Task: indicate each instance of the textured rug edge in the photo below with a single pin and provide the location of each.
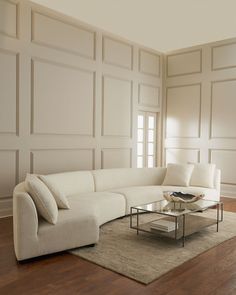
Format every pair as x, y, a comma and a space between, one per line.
153, 280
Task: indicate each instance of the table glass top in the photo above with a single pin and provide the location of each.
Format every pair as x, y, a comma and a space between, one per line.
176, 208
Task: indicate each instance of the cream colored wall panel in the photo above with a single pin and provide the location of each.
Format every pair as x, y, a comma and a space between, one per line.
226, 161
116, 158
9, 92
184, 63
149, 95
117, 53
117, 107
174, 155
63, 99
53, 161
8, 18
223, 119
149, 63
223, 56
183, 111
58, 34
8, 172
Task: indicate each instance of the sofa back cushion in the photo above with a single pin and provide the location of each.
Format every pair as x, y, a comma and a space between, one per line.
116, 178
70, 183
178, 174
203, 175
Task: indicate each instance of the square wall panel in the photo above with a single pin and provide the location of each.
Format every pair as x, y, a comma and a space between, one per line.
53, 161
116, 158
8, 92
63, 99
8, 172
117, 53
149, 95
223, 119
185, 63
149, 63
182, 155
117, 107
183, 111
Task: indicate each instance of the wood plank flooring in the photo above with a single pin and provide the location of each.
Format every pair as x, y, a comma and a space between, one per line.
211, 273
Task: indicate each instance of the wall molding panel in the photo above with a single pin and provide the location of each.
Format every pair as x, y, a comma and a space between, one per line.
184, 63
117, 53
69, 95
149, 63
72, 38
223, 56
9, 18
116, 158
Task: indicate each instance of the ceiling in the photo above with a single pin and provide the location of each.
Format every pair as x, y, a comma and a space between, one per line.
164, 25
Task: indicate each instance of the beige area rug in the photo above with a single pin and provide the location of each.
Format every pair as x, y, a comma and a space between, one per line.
145, 257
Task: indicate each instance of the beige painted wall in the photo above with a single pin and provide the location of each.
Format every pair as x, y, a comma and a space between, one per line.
200, 108
69, 95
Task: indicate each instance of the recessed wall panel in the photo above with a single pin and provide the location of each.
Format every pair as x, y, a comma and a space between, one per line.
117, 53
224, 56
149, 63
149, 95
223, 119
8, 16
8, 172
225, 160
62, 99
8, 92
184, 63
181, 156
116, 158
53, 161
61, 35
183, 111
117, 107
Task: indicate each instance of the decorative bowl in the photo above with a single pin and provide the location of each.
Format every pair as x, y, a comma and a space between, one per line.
181, 197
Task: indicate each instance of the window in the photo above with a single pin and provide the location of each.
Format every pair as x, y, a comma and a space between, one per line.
146, 140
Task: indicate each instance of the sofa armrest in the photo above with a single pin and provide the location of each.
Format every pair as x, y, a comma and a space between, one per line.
25, 225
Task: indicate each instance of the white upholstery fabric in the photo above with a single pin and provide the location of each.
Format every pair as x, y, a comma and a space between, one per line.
107, 179
59, 197
42, 197
210, 194
70, 183
203, 175
105, 205
178, 174
138, 195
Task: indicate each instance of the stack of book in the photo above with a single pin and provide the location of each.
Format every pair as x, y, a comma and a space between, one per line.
163, 225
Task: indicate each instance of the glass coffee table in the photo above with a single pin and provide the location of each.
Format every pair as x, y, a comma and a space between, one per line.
176, 220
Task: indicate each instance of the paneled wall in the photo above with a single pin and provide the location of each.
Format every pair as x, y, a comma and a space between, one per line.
69, 95
200, 108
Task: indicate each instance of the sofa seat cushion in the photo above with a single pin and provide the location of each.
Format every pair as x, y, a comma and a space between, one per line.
210, 194
75, 227
105, 205
138, 195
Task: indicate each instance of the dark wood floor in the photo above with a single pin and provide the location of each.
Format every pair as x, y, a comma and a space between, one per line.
213, 272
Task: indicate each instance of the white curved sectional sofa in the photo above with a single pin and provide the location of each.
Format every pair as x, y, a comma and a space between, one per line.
95, 197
